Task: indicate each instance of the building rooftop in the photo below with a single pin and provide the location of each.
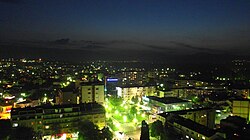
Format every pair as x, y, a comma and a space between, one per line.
167, 100
241, 100
182, 112
84, 108
135, 85
201, 129
91, 83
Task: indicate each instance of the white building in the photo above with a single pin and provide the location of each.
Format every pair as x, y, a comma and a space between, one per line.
92, 92
128, 92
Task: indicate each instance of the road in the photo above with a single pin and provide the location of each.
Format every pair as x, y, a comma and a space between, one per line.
135, 135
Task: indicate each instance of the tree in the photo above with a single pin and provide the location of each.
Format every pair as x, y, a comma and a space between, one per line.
106, 134
135, 99
88, 131
144, 131
157, 129
115, 101
5, 129
22, 133
56, 129
133, 110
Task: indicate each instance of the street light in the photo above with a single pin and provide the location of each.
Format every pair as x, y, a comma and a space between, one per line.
135, 120
116, 112
124, 118
143, 115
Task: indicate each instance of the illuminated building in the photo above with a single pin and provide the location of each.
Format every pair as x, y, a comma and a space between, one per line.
184, 83
203, 116
110, 86
165, 93
242, 108
239, 71
242, 91
132, 77
5, 110
204, 90
26, 103
45, 119
92, 92
128, 92
183, 92
166, 104
190, 129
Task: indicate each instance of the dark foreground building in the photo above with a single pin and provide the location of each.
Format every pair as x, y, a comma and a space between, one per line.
61, 118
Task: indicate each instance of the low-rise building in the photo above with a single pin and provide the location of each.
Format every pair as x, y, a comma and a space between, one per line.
234, 127
188, 129
166, 104
203, 116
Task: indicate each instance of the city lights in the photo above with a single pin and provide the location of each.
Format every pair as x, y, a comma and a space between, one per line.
115, 103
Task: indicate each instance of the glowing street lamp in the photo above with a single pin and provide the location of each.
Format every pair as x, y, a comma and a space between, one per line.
118, 125
143, 115
125, 118
135, 120
116, 112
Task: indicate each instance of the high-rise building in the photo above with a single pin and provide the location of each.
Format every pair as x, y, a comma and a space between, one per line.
132, 77
92, 92
239, 70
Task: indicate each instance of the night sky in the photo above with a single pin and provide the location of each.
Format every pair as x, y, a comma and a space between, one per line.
136, 29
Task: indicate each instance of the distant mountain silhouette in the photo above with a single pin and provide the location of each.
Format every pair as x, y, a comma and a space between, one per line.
140, 55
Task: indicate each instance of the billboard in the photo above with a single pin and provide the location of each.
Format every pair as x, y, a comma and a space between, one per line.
112, 80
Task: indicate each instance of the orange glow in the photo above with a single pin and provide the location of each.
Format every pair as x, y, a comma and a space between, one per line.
4, 116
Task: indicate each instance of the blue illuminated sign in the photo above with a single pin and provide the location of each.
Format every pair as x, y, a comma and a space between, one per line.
112, 80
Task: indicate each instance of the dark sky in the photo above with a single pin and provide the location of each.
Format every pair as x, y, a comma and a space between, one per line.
148, 27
